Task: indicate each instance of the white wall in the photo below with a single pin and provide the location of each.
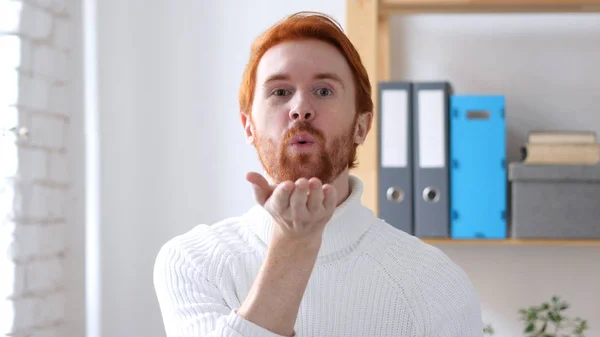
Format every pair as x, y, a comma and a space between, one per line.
172, 148
173, 154
548, 66
75, 277
35, 180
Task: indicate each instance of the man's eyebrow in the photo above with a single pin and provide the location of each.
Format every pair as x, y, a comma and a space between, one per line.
330, 76
319, 76
277, 77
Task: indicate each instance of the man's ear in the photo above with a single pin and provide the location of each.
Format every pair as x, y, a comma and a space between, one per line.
248, 128
363, 126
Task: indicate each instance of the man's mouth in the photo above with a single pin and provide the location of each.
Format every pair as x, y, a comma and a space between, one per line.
303, 142
302, 139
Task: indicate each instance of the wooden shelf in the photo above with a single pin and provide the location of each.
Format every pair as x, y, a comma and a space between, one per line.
388, 7
367, 26
515, 242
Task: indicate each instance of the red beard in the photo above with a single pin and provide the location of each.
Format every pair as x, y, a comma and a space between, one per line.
325, 163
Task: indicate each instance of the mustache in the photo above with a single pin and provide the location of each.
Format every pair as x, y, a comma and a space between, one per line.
304, 127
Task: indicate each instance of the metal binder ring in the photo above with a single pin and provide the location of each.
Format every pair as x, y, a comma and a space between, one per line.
431, 194
395, 194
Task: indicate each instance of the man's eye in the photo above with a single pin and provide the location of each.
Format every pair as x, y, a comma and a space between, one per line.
324, 92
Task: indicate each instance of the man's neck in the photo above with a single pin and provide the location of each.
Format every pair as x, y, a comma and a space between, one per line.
342, 187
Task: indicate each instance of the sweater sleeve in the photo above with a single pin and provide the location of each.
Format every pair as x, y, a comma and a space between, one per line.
451, 304
461, 318
193, 306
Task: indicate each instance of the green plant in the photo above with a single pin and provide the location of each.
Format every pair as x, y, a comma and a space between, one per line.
548, 320
488, 330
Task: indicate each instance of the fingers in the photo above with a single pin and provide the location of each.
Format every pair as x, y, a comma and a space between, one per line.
260, 185
315, 195
257, 179
296, 201
279, 201
299, 198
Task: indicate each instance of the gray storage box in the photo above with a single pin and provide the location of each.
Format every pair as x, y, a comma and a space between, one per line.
549, 201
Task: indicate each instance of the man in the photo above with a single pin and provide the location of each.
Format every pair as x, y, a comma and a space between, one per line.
309, 259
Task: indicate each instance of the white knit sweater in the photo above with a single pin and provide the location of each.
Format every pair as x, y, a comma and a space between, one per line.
370, 279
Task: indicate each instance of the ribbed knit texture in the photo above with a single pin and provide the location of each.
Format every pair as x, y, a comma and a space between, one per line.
370, 279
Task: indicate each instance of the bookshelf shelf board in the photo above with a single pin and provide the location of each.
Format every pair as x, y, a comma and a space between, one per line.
390, 7
514, 242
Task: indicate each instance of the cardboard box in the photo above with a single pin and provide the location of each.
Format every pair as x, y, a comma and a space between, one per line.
555, 201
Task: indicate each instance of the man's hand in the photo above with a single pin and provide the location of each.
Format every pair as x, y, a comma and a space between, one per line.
301, 209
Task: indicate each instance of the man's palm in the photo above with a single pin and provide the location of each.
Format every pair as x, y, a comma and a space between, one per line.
301, 208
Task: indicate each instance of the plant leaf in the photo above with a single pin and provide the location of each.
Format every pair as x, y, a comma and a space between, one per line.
532, 315
530, 327
554, 317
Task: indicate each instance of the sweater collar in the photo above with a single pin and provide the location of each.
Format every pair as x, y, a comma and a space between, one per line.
349, 222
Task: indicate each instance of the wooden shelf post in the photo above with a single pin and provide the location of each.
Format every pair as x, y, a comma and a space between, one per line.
361, 27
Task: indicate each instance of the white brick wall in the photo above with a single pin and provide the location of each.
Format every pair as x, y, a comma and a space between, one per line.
34, 182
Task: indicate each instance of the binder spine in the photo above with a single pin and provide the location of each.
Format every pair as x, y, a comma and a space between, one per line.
478, 172
395, 204
431, 150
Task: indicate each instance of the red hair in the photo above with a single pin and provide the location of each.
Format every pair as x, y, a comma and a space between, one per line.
306, 25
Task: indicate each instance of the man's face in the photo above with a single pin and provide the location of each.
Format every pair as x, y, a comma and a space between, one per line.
303, 121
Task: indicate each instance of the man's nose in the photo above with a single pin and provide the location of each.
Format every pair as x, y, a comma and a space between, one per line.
302, 111
296, 114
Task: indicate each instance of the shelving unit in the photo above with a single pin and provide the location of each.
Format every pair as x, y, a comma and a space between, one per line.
368, 28
516, 242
